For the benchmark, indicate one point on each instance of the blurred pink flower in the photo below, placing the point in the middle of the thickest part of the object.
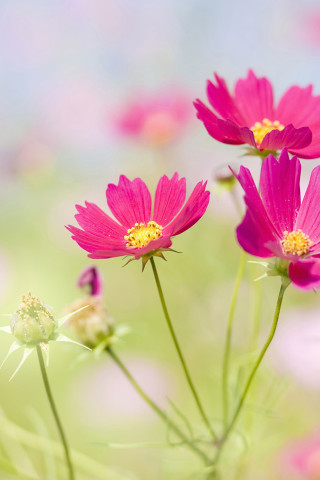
(296, 349)
(139, 233)
(278, 224)
(303, 458)
(250, 117)
(157, 119)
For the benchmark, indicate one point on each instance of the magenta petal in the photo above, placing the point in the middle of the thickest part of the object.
(191, 212)
(160, 243)
(298, 106)
(100, 254)
(280, 190)
(129, 201)
(92, 219)
(169, 198)
(254, 99)
(91, 242)
(308, 218)
(256, 210)
(312, 150)
(289, 137)
(231, 130)
(222, 102)
(222, 130)
(253, 238)
(305, 274)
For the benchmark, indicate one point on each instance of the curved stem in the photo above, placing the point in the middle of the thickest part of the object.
(55, 413)
(283, 287)
(154, 406)
(177, 346)
(226, 356)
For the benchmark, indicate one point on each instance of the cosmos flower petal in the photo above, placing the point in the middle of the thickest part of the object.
(94, 220)
(280, 198)
(289, 137)
(256, 208)
(191, 212)
(305, 274)
(222, 130)
(312, 150)
(90, 243)
(149, 236)
(169, 198)
(107, 253)
(129, 201)
(298, 106)
(222, 102)
(233, 119)
(253, 237)
(308, 218)
(254, 98)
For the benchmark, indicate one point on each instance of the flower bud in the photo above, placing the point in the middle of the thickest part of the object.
(92, 278)
(224, 177)
(93, 324)
(33, 321)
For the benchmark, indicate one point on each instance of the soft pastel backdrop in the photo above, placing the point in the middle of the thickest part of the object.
(68, 71)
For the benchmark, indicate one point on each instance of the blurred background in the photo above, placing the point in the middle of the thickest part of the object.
(89, 90)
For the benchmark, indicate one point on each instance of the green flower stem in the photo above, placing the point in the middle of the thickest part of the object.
(177, 346)
(155, 407)
(284, 285)
(55, 412)
(226, 356)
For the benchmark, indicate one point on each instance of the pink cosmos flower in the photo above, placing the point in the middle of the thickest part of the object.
(250, 117)
(303, 458)
(157, 119)
(277, 224)
(139, 232)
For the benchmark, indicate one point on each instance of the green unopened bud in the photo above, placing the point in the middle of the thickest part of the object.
(33, 321)
(93, 324)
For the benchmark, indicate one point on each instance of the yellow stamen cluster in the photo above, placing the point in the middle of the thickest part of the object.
(140, 235)
(32, 305)
(296, 243)
(260, 129)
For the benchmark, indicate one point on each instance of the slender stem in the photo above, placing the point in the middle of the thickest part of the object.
(55, 412)
(154, 406)
(283, 287)
(226, 356)
(177, 346)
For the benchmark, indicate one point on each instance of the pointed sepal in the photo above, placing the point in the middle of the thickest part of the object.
(14, 346)
(63, 338)
(6, 329)
(62, 320)
(27, 352)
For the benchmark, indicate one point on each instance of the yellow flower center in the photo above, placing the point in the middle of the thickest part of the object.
(140, 235)
(296, 243)
(260, 129)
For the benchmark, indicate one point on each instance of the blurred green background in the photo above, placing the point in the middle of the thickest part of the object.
(68, 69)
